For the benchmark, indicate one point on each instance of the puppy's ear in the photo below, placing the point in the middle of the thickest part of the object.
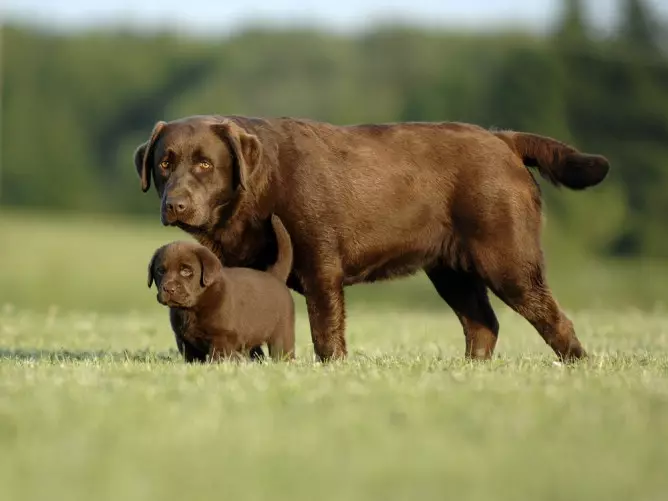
(211, 267)
(246, 148)
(142, 155)
(150, 269)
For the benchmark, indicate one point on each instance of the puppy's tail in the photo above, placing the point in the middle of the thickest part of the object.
(283, 266)
(557, 162)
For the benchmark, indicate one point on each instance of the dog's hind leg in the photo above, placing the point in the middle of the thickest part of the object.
(281, 345)
(510, 260)
(523, 287)
(466, 294)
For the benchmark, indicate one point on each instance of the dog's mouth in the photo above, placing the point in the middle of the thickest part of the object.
(188, 228)
(172, 302)
(189, 222)
(183, 221)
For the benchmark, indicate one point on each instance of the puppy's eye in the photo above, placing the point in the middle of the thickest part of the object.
(186, 272)
(204, 165)
(160, 271)
(164, 165)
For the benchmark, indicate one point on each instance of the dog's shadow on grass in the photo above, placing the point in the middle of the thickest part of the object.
(66, 356)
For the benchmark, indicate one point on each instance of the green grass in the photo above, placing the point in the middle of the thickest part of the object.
(99, 407)
(95, 403)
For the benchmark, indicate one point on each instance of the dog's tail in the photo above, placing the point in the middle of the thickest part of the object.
(557, 162)
(283, 266)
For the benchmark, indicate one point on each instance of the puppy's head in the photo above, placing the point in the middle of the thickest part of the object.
(199, 165)
(182, 272)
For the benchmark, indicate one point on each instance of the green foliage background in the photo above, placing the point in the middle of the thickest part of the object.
(75, 105)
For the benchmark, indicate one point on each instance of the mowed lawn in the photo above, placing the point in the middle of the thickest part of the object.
(95, 403)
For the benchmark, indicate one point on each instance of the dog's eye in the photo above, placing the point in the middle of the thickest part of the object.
(186, 272)
(164, 165)
(160, 271)
(205, 165)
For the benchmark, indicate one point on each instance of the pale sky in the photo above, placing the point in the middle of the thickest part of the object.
(224, 16)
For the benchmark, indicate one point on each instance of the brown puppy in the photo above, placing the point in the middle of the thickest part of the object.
(370, 202)
(218, 312)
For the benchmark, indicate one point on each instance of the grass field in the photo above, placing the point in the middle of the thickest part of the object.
(99, 263)
(95, 404)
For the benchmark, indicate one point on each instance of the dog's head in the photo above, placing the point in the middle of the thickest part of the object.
(182, 272)
(199, 166)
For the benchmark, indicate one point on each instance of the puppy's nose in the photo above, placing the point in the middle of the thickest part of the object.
(176, 205)
(169, 287)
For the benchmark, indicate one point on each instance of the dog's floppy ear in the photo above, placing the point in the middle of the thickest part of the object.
(150, 269)
(211, 267)
(142, 154)
(246, 148)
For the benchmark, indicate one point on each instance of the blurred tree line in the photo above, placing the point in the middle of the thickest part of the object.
(76, 105)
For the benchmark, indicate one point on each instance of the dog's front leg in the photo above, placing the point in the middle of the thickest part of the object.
(326, 311)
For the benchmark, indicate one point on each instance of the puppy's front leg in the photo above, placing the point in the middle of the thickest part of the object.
(181, 322)
(189, 352)
(220, 350)
(326, 312)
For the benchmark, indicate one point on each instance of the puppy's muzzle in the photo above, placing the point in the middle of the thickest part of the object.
(170, 294)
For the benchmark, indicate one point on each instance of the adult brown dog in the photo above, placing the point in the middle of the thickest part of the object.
(370, 202)
(217, 313)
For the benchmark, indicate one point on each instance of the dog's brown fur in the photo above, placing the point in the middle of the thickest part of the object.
(218, 312)
(371, 202)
